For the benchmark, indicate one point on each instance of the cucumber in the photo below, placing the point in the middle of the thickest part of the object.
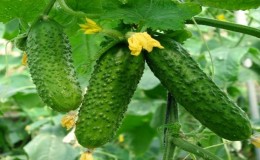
(20, 42)
(196, 92)
(51, 68)
(112, 84)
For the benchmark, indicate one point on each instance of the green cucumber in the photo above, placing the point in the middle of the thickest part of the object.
(51, 68)
(112, 84)
(20, 42)
(196, 92)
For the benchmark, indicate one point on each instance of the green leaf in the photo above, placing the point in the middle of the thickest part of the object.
(132, 121)
(226, 63)
(142, 138)
(16, 83)
(159, 92)
(28, 101)
(87, 6)
(148, 80)
(139, 131)
(84, 48)
(143, 106)
(25, 9)
(230, 4)
(159, 116)
(11, 29)
(155, 14)
(51, 147)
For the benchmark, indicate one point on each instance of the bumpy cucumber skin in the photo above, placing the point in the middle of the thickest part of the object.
(196, 92)
(20, 43)
(51, 68)
(112, 84)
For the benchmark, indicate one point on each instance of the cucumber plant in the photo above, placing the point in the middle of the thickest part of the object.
(117, 72)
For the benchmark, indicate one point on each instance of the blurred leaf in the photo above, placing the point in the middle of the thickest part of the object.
(28, 100)
(233, 91)
(143, 106)
(16, 157)
(159, 92)
(36, 125)
(132, 121)
(148, 80)
(255, 13)
(9, 60)
(159, 117)
(230, 4)
(246, 74)
(226, 64)
(115, 150)
(141, 138)
(25, 9)
(16, 83)
(84, 48)
(11, 29)
(49, 147)
(14, 129)
(52, 129)
(254, 56)
(139, 131)
(37, 113)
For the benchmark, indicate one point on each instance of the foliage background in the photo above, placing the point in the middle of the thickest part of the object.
(31, 130)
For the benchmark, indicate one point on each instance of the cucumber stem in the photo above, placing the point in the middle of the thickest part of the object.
(76, 13)
(49, 7)
(194, 149)
(171, 117)
(206, 44)
(226, 25)
(44, 13)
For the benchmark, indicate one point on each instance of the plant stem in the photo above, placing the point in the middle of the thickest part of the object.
(48, 7)
(76, 13)
(206, 44)
(196, 132)
(45, 12)
(226, 149)
(226, 25)
(242, 37)
(171, 117)
(194, 149)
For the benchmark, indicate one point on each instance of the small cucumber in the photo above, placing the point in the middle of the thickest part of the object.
(196, 92)
(20, 42)
(112, 84)
(51, 68)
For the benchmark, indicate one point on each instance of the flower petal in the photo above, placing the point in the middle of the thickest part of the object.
(90, 27)
(142, 40)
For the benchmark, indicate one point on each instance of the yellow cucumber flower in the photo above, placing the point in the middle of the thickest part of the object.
(255, 140)
(221, 17)
(24, 59)
(68, 121)
(86, 156)
(121, 138)
(139, 41)
(90, 27)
